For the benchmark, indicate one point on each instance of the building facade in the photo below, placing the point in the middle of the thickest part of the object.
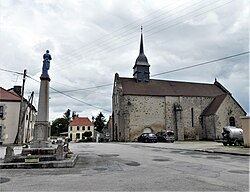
(194, 111)
(78, 127)
(9, 117)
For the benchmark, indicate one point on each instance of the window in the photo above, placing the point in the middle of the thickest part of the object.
(78, 136)
(88, 127)
(70, 136)
(192, 116)
(78, 128)
(71, 128)
(83, 128)
(83, 136)
(1, 111)
(232, 121)
(1, 132)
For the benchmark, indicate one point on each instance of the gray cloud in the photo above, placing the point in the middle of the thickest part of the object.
(92, 40)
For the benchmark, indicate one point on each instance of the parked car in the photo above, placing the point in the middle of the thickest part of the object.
(147, 137)
(165, 136)
(232, 136)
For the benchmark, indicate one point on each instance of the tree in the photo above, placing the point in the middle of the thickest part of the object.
(99, 122)
(58, 126)
(74, 115)
(67, 116)
(87, 134)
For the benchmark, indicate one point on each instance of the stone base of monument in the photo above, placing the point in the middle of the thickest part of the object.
(47, 158)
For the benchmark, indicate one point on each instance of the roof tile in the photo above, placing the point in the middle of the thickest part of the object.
(81, 121)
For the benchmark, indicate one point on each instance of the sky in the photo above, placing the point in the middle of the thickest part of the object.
(91, 40)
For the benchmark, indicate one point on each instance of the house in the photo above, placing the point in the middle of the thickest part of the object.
(194, 111)
(9, 116)
(78, 127)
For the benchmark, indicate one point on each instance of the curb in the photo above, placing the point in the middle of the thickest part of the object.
(67, 163)
(222, 152)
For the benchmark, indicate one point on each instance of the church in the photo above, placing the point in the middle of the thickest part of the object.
(194, 111)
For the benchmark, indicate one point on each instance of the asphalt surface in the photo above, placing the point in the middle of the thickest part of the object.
(179, 166)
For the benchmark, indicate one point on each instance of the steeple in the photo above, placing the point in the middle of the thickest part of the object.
(141, 67)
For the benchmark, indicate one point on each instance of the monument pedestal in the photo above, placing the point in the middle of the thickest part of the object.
(41, 147)
(41, 132)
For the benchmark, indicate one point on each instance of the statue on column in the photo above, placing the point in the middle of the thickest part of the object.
(46, 63)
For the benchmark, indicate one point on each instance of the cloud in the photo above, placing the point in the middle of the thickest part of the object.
(90, 41)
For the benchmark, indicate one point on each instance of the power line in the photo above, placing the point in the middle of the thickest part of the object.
(200, 64)
(9, 71)
(113, 47)
(170, 71)
(100, 86)
(72, 96)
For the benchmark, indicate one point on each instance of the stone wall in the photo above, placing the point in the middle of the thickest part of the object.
(228, 108)
(143, 112)
(157, 113)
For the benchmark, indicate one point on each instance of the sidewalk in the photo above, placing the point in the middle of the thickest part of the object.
(202, 146)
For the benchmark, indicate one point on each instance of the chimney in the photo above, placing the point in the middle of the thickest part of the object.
(18, 90)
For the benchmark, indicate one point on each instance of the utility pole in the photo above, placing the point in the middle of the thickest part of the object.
(30, 114)
(20, 131)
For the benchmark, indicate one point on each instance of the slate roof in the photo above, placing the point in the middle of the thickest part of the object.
(81, 121)
(170, 88)
(7, 96)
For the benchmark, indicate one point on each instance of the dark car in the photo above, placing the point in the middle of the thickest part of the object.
(167, 136)
(147, 137)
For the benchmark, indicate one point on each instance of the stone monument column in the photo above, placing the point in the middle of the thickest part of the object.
(41, 129)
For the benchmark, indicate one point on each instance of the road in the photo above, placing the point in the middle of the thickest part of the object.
(135, 167)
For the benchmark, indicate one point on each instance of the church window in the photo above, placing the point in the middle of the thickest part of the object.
(232, 121)
(192, 116)
(1, 132)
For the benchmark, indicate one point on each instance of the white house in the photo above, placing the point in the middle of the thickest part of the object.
(9, 116)
(78, 127)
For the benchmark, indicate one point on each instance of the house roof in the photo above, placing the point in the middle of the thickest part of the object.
(8, 96)
(81, 121)
(169, 88)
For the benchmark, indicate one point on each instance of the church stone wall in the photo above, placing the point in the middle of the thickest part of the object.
(228, 108)
(192, 108)
(157, 113)
(144, 112)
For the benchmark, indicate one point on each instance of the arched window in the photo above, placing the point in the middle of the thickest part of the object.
(147, 130)
(232, 121)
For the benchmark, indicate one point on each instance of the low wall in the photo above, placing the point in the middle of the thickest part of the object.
(245, 121)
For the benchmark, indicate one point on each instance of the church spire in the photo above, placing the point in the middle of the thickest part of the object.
(141, 45)
(141, 67)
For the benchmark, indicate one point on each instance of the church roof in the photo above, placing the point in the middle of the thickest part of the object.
(169, 88)
(214, 106)
(141, 59)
